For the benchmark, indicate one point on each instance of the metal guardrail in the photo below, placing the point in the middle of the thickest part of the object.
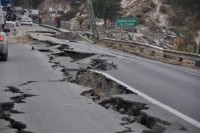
(153, 50)
(182, 55)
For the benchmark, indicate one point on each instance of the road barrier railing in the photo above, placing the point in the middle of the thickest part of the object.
(151, 51)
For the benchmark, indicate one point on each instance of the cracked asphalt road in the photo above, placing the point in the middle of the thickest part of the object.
(57, 106)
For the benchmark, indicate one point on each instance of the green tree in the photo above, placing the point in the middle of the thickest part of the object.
(107, 9)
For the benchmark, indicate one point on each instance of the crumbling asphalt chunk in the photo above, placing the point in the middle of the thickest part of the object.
(63, 47)
(124, 107)
(101, 64)
(101, 86)
(102, 90)
(78, 55)
(133, 112)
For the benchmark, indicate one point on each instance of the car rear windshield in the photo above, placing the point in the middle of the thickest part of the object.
(10, 25)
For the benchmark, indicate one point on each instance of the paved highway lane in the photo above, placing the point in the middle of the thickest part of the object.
(58, 106)
(175, 86)
(177, 89)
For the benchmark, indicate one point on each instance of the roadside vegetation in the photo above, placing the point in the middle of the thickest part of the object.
(107, 10)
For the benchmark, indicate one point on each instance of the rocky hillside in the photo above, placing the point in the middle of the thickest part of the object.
(182, 15)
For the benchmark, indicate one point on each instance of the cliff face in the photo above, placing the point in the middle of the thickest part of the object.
(179, 14)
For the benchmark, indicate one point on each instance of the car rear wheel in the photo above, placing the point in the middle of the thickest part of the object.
(4, 57)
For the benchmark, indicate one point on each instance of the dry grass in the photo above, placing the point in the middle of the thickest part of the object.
(20, 39)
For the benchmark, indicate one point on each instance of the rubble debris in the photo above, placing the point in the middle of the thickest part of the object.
(101, 64)
(133, 113)
(124, 107)
(63, 47)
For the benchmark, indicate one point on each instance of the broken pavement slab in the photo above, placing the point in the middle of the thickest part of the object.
(64, 98)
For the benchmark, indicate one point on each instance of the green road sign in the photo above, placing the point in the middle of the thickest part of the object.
(127, 22)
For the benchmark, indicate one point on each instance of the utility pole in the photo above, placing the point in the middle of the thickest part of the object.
(31, 9)
(197, 39)
(92, 19)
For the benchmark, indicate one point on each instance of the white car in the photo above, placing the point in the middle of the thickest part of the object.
(4, 45)
(26, 21)
(12, 26)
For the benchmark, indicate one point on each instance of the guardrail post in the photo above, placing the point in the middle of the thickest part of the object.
(197, 63)
(152, 53)
(141, 49)
(180, 59)
(164, 56)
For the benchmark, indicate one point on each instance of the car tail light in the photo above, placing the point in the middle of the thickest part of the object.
(1, 38)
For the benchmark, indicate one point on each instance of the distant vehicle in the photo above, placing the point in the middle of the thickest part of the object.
(26, 21)
(12, 26)
(3, 38)
(1, 15)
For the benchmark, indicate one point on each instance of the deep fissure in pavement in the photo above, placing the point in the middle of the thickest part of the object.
(105, 92)
(101, 64)
(7, 108)
(44, 50)
(13, 89)
(101, 86)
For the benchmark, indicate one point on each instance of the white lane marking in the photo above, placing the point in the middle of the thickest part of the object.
(152, 100)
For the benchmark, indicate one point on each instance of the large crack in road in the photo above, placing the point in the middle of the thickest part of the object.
(105, 91)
